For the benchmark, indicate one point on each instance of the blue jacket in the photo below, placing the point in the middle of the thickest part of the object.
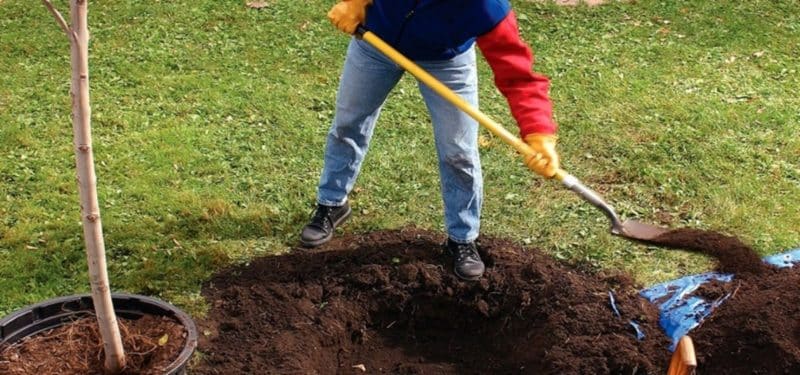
(434, 29)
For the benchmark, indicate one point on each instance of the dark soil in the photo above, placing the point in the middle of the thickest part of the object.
(732, 255)
(76, 348)
(387, 302)
(384, 303)
(714, 290)
(756, 330)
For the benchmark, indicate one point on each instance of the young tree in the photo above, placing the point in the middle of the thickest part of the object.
(78, 35)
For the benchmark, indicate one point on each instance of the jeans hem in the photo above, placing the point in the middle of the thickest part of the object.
(463, 242)
(331, 203)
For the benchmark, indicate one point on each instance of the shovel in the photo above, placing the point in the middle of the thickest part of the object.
(630, 229)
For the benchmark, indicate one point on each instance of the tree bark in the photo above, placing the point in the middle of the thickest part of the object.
(87, 189)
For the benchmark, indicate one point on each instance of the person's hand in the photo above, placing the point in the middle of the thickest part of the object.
(348, 14)
(545, 162)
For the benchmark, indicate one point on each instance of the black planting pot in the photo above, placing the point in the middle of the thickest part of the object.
(52, 313)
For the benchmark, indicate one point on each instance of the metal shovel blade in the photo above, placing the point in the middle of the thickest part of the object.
(639, 231)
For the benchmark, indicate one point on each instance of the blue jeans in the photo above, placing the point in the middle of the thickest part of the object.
(366, 80)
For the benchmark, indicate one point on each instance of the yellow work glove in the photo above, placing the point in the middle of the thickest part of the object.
(545, 162)
(348, 14)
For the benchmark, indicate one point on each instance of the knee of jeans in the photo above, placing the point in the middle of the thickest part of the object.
(342, 146)
(346, 129)
(336, 133)
(464, 167)
(342, 135)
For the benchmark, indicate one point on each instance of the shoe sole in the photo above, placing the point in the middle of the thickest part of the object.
(327, 238)
(462, 277)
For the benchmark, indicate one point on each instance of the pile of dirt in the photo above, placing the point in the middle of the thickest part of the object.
(151, 344)
(387, 302)
(757, 329)
(733, 256)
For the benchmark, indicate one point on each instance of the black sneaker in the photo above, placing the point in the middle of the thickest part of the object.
(467, 263)
(323, 223)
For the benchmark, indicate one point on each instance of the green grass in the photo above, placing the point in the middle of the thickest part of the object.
(209, 122)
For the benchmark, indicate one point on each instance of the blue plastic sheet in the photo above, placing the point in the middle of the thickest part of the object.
(613, 304)
(636, 327)
(680, 311)
(786, 259)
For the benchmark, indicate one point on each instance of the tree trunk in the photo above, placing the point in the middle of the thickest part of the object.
(87, 188)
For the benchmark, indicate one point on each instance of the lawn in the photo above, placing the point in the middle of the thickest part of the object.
(210, 118)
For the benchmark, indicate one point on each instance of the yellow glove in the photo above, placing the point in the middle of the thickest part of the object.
(348, 14)
(545, 162)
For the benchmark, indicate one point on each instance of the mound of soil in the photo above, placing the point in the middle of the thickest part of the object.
(387, 302)
(733, 256)
(757, 329)
(151, 344)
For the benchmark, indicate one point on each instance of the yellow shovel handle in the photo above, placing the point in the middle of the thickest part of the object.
(452, 97)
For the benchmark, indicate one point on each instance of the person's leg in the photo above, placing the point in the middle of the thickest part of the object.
(456, 137)
(366, 80)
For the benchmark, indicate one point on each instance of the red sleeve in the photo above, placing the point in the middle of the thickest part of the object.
(527, 92)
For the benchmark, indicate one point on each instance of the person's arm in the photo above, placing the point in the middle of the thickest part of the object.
(527, 93)
(511, 61)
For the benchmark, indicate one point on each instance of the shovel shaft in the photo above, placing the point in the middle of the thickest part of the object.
(589, 195)
(498, 130)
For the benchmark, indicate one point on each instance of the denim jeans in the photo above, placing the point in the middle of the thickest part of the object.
(366, 81)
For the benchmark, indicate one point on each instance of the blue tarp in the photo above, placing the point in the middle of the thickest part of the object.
(680, 311)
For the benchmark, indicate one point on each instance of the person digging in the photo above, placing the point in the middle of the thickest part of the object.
(439, 36)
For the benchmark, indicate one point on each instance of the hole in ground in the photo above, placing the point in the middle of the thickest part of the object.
(445, 335)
